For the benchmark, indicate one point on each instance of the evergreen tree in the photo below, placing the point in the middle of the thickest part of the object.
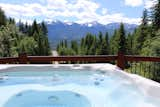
(6, 46)
(114, 43)
(3, 19)
(11, 21)
(65, 43)
(47, 48)
(145, 18)
(44, 28)
(122, 39)
(129, 46)
(35, 28)
(82, 47)
(74, 46)
(103, 47)
(99, 44)
(100, 37)
(106, 51)
(41, 47)
(24, 38)
(142, 33)
(35, 36)
(28, 45)
(93, 46)
(21, 27)
(88, 41)
(9, 39)
(156, 15)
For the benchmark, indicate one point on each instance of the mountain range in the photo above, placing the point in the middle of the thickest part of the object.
(58, 30)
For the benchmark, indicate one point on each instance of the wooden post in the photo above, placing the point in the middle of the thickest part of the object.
(121, 60)
(23, 58)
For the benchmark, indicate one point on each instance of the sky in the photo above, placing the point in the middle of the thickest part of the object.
(79, 11)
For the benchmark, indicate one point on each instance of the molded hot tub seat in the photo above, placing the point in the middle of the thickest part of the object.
(33, 98)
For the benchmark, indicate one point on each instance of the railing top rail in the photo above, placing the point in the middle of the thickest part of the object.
(72, 58)
(8, 60)
(2, 58)
(142, 58)
(79, 56)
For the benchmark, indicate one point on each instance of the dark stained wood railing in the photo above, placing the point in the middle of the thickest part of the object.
(141, 58)
(120, 58)
(71, 58)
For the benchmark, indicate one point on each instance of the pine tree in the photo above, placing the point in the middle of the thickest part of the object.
(11, 21)
(3, 19)
(122, 39)
(28, 45)
(24, 38)
(35, 28)
(41, 46)
(114, 43)
(156, 15)
(106, 43)
(99, 50)
(145, 18)
(21, 27)
(7, 46)
(100, 37)
(93, 46)
(142, 32)
(82, 47)
(66, 43)
(129, 46)
(44, 28)
(74, 46)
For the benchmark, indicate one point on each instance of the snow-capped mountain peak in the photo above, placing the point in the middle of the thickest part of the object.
(68, 23)
(90, 24)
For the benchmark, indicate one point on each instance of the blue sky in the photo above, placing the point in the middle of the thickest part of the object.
(80, 11)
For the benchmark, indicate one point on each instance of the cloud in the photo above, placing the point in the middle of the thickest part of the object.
(150, 3)
(82, 10)
(118, 17)
(133, 3)
(104, 11)
(28, 10)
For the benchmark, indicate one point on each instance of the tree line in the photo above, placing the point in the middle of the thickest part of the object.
(22, 38)
(93, 44)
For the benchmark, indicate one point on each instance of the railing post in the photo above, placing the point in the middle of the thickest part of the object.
(23, 58)
(121, 60)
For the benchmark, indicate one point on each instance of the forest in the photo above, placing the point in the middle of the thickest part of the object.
(16, 38)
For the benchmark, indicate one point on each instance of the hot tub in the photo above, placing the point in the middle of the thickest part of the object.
(84, 85)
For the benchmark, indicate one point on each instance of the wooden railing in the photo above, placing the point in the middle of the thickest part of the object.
(121, 59)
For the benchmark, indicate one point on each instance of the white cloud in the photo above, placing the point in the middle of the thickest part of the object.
(83, 10)
(149, 3)
(104, 11)
(133, 3)
(28, 10)
(118, 17)
(56, 4)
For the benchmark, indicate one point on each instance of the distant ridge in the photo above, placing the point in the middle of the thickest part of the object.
(58, 30)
